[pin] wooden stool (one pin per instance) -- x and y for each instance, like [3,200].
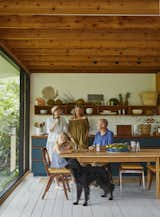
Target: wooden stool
[130,168]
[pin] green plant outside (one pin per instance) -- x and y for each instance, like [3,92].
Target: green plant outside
[9,118]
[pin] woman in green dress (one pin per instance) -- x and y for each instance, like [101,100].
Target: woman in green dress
[79,129]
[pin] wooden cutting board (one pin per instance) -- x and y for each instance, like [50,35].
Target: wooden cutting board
[124,130]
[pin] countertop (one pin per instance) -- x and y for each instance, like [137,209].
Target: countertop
[44,136]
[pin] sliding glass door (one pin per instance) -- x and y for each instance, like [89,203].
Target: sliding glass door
[13,120]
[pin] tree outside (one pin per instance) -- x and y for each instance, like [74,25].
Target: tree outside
[9,119]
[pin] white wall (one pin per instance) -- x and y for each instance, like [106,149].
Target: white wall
[79,85]
[82,84]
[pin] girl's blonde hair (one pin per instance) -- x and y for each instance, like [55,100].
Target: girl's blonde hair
[65,137]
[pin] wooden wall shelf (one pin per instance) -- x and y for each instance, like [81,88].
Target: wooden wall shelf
[99,110]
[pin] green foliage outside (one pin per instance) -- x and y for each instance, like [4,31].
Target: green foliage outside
[9,118]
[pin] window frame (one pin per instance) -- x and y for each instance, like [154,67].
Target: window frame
[24,121]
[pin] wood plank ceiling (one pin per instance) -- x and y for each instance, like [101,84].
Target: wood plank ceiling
[77,36]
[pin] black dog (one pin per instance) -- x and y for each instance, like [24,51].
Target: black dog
[85,175]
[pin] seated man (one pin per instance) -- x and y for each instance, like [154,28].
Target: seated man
[104,136]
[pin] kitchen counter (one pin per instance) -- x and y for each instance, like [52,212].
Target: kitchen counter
[44,136]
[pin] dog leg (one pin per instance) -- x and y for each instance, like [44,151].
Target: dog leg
[79,191]
[103,186]
[86,195]
[111,191]
[104,195]
[105,191]
[111,196]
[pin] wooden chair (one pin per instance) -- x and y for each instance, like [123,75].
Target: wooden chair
[61,173]
[131,168]
[151,170]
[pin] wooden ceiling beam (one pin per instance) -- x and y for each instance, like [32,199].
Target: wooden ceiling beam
[78,23]
[95,70]
[130,51]
[117,35]
[89,64]
[103,71]
[90,57]
[54,44]
[71,7]
[94,59]
[51,67]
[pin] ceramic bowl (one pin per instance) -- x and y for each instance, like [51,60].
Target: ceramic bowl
[42,111]
[137,111]
[89,111]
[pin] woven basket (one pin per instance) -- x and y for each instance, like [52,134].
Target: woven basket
[149,98]
[145,129]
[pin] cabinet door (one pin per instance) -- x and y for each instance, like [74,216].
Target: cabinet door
[37,162]
[39,142]
[38,168]
[37,154]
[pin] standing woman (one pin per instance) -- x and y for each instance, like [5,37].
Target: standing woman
[55,125]
[79,128]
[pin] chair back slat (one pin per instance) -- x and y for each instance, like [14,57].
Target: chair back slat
[46,159]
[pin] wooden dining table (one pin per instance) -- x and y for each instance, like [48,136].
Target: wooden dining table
[145,155]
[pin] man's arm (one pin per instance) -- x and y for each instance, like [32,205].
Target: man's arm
[110,138]
[94,143]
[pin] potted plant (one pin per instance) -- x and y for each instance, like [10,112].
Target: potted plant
[39,127]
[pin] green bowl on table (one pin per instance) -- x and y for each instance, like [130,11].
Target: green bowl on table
[117,147]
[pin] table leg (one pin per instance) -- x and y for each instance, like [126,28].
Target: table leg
[158,178]
[149,175]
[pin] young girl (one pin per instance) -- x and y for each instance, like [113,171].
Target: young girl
[62,145]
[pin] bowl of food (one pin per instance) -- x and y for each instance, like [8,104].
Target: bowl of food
[137,111]
[117,147]
[43,111]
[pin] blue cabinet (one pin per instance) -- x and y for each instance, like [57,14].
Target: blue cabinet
[39,142]
[37,162]
[38,168]
[147,142]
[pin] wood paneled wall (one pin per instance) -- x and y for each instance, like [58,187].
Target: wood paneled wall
[38,7]
[57,36]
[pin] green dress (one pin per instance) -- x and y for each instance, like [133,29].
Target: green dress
[78,128]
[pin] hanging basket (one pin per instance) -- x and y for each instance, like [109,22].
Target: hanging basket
[149,98]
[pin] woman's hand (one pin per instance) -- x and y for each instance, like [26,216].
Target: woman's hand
[54,124]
